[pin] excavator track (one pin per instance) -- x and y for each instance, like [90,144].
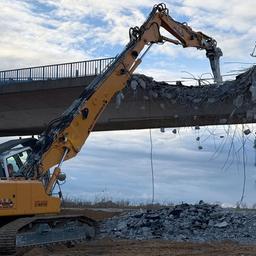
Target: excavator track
[38,231]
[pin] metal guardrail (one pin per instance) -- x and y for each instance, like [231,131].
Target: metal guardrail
[56,71]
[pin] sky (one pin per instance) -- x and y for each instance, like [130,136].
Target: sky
[116,165]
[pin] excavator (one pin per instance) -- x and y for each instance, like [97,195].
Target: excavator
[29,206]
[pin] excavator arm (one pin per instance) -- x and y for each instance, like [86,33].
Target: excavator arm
[185,36]
[65,136]
[189,38]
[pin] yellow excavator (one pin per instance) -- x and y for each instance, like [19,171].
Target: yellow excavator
[28,205]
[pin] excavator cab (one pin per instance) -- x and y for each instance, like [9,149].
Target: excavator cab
[13,155]
[12,160]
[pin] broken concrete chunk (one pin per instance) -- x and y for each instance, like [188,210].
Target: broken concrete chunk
[222,224]
[247,131]
[142,83]
[134,84]
[119,98]
[253,89]
[238,101]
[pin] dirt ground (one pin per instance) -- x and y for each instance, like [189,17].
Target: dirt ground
[109,247]
[144,248]
[96,214]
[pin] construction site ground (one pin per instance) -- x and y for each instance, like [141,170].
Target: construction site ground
[102,247]
[141,248]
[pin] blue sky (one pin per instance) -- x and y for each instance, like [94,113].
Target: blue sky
[117,164]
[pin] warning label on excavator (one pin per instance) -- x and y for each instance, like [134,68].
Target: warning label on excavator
[6,203]
[41,203]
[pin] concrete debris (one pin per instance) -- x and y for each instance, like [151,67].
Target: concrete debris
[241,91]
[247,131]
[253,87]
[238,101]
[142,83]
[201,222]
[253,91]
[222,224]
[119,98]
[134,84]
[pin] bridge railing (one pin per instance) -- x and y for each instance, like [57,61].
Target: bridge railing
[56,71]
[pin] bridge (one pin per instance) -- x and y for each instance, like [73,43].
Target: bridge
[31,97]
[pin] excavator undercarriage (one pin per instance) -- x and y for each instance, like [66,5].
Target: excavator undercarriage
[43,230]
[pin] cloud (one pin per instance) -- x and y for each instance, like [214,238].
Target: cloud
[31,39]
[227,21]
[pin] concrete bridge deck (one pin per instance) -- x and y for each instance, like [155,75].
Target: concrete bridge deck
[27,107]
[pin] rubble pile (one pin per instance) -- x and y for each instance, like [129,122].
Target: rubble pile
[199,223]
[239,90]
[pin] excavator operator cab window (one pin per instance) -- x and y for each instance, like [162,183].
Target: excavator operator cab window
[16,161]
[24,155]
[13,164]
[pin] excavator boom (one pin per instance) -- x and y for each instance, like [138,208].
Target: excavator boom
[65,135]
